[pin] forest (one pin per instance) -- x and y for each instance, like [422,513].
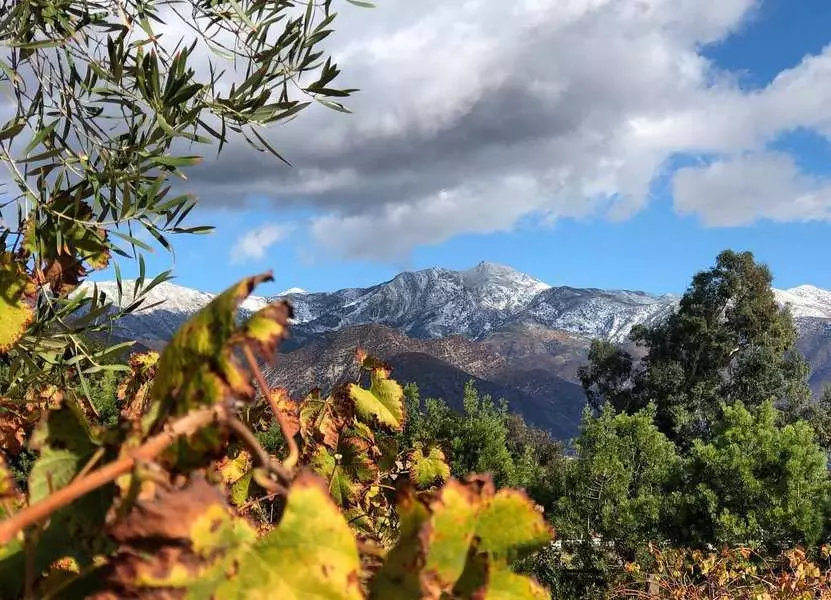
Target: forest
[700,469]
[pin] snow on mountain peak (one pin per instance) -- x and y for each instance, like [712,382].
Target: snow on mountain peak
[806,301]
[292,291]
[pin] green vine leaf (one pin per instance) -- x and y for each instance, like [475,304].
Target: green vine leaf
[528,529]
[348,468]
[15,311]
[197,367]
[267,327]
[382,402]
[429,469]
[65,447]
[452,543]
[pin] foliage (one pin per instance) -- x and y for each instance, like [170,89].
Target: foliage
[613,501]
[732,574]
[137,513]
[107,106]
[729,341]
[486,438]
[754,483]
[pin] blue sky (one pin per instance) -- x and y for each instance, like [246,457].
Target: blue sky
[638,235]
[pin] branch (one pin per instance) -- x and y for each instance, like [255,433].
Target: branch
[294,451]
[187,425]
[248,438]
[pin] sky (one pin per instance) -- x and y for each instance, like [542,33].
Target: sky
[595,143]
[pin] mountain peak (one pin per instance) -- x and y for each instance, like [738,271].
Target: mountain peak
[292,291]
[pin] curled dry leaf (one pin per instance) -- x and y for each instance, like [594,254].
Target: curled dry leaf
[186,543]
[288,408]
[63,245]
[322,419]
[133,391]
[17,419]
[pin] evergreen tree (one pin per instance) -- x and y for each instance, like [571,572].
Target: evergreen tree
[754,483]
[728,341]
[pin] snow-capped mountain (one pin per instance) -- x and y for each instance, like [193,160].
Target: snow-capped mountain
[806,301]
[165,308]
[431,303]
[515,336]
[435,303]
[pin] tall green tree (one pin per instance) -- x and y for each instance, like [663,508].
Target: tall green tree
[728,341]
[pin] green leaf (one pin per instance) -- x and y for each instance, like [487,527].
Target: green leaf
[430,469]
[502,584]
[267,327]
[528,531]
[12,128]
[176,161]
[197,366]
[457,541]
[65,447]
[383,401]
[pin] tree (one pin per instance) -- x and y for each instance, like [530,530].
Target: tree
[487,438]
[615,486]
[754,483]
[612,503]
[728,341]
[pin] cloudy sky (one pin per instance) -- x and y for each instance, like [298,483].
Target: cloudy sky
[607,143]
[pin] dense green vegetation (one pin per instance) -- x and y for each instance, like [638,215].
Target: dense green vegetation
[184,475]
[712,440]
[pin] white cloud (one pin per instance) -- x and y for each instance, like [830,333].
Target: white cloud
[754,186]
[474,116]
[253,244]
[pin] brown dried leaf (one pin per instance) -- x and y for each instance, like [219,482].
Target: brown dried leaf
[289,410]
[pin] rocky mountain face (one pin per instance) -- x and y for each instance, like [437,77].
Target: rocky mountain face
[515,336]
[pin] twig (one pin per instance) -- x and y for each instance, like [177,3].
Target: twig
[244,434]
[188,424]
[91,463]
[294,452]
[253,501]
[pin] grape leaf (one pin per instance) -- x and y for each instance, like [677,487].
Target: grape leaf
[267,327]
[288,408]
[187,544]
[382,402]
[430,469]
[322,419]
[455,542]
[197,366]
[528,531]
[15,310]
[134,388]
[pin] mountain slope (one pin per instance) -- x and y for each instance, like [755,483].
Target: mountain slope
[507,330]
[440,368]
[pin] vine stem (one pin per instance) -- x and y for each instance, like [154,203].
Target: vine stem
[294,452]
[188,424]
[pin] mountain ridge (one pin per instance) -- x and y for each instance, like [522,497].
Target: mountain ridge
[515,336]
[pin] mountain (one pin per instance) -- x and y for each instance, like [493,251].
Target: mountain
[516,336]
[441,368]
